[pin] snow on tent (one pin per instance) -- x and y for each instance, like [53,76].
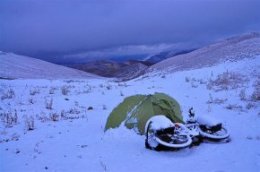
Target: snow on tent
[136,110]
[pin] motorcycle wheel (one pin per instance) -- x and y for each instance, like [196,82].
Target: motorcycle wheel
[215,135]
[175,141]
[150,141]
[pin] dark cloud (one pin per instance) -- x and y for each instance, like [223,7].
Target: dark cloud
[59,27]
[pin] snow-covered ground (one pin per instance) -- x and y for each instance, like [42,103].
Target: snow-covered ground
[60,123]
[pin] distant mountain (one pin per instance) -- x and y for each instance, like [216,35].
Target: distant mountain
[231,49]
[106,68]
[132,70]
[114,62]
[109,68]
[166,54]
[124,53]
[14,66]
[124,68]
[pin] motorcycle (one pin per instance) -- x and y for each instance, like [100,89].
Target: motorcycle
[163,134]
[206,128]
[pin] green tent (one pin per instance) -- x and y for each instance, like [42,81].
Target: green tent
[136,110]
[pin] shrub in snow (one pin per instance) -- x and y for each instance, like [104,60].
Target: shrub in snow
[42,117]
[242,94]
[30,100]
[65,90]
[36,149]
[34,91]
[108,87]
[29,123]
[250,105]
[71,114]
[210,99]
[103,165]
[234,107]
[49,103]
[74,111]
[256,94]
[9,118]
[227,80]
[187,79]
[209,84]
[121,93]
[15,137]
[54,116]
[8,94]
[194,82]
[51,91]
[201,81]
[15,118]
[63,115]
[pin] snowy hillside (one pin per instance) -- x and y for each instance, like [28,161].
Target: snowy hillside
[232,49]
[58,125]
[17,66]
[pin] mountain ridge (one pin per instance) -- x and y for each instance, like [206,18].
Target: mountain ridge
[230,49]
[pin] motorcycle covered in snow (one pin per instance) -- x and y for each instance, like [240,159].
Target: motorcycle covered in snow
[205,127]
[163,134]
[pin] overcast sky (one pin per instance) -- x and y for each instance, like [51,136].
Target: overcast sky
[36,27]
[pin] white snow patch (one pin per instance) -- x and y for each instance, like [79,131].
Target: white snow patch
[159,122]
